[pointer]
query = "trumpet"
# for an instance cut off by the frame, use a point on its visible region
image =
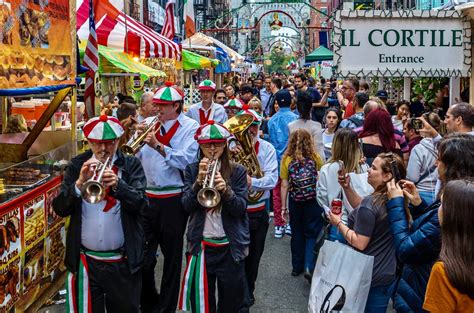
(208, 196)
(136, 143)
(93, 190)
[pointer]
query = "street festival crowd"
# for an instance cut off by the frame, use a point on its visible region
(325, 162)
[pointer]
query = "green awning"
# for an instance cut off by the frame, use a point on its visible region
(194, 61)
(114, 61)
(320, 54)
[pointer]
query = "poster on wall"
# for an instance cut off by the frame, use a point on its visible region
(55, 249)
(10, 232)
(33, 267)
(9, 285)
(402, 43)
(34, 220)
(52, 219)
(36, 45)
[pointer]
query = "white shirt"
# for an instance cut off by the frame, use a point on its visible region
(218, 112)
(316, 131)
(213, 227)
(328, 188)
(101, 231)
(164, 171)
(268, 163)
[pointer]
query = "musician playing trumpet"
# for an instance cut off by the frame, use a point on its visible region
(105, 238)
(169, 148)
(218, 237)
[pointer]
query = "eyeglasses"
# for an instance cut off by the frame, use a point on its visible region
(208, 145)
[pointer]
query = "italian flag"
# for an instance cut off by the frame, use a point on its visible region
(189, 21)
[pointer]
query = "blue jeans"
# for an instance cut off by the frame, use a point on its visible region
(378, 298)
(428, 196)
(335, 235)
(306, 223)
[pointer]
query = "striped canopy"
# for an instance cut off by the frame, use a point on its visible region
(117, 30)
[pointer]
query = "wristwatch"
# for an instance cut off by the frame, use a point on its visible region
(159, 148)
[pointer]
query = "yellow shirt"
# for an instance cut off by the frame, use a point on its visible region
(442, 297)
(285, 162)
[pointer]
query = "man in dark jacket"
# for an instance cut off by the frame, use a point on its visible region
(105, 239)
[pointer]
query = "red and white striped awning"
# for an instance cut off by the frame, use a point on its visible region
(117, 30)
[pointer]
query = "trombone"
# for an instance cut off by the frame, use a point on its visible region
(94, 190)
(136, 143)
(208, 196)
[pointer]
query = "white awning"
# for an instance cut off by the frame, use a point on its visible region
(200, 39)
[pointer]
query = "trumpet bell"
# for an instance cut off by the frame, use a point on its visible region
(128, 150)
(208, 197)
(93, 192)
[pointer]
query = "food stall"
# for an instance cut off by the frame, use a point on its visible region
(37, 77)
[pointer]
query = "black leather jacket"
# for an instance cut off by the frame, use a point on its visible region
(234, 212)
(131, 193)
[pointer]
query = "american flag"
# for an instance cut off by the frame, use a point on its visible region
(91, 60)
(168, 28)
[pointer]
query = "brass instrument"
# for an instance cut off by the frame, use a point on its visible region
(238, 126)
(136, 143)
(208, 196)
(93, 191)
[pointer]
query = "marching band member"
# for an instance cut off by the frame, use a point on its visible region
(207, 110)
(167, 153)
(232, 107)
(256, 211)
(104, 244)
(218, 237)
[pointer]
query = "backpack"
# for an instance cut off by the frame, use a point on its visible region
(302, 177)
(357, 122)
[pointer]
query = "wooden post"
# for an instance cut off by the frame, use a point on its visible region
(454, 90)
(4, 104)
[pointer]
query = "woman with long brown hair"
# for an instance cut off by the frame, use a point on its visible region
(218, 236)
(298, 171)
(368, 228)
(451, 284)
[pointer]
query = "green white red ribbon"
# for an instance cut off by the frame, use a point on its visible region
(78, 289)
(195, 276)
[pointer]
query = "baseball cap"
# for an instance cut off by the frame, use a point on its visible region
(283, 98)
(382, 94)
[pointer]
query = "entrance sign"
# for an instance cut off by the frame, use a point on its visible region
(402, 43)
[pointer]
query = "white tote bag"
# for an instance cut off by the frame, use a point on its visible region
(341, 279)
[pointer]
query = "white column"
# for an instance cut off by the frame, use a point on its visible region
(454, 90)
(407, 88)
(380, 87)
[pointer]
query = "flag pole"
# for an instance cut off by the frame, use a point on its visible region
(126, 32)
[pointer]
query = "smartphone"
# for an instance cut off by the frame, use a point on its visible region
(416, 124)
(395, 172)
(342, 168)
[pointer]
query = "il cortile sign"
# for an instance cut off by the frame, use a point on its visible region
(402, 44)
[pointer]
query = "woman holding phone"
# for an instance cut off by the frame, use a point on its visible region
(368, 229)
(346, 157)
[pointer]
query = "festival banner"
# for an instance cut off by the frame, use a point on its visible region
(36, 46)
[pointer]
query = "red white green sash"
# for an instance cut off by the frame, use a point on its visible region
(256, 206)
(164, 192)
(195, 276)
(78, 289)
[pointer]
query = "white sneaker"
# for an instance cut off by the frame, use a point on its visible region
(288, 230)
(279, 230)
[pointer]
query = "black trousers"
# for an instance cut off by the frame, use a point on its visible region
(114, 287)
(258, 226)
(164, 223)
(230, 278)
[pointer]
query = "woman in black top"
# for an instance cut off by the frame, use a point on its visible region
(378, 135)
(368, 228)
(221, 232)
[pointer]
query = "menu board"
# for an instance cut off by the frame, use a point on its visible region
(32, 246)
(36, 45)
